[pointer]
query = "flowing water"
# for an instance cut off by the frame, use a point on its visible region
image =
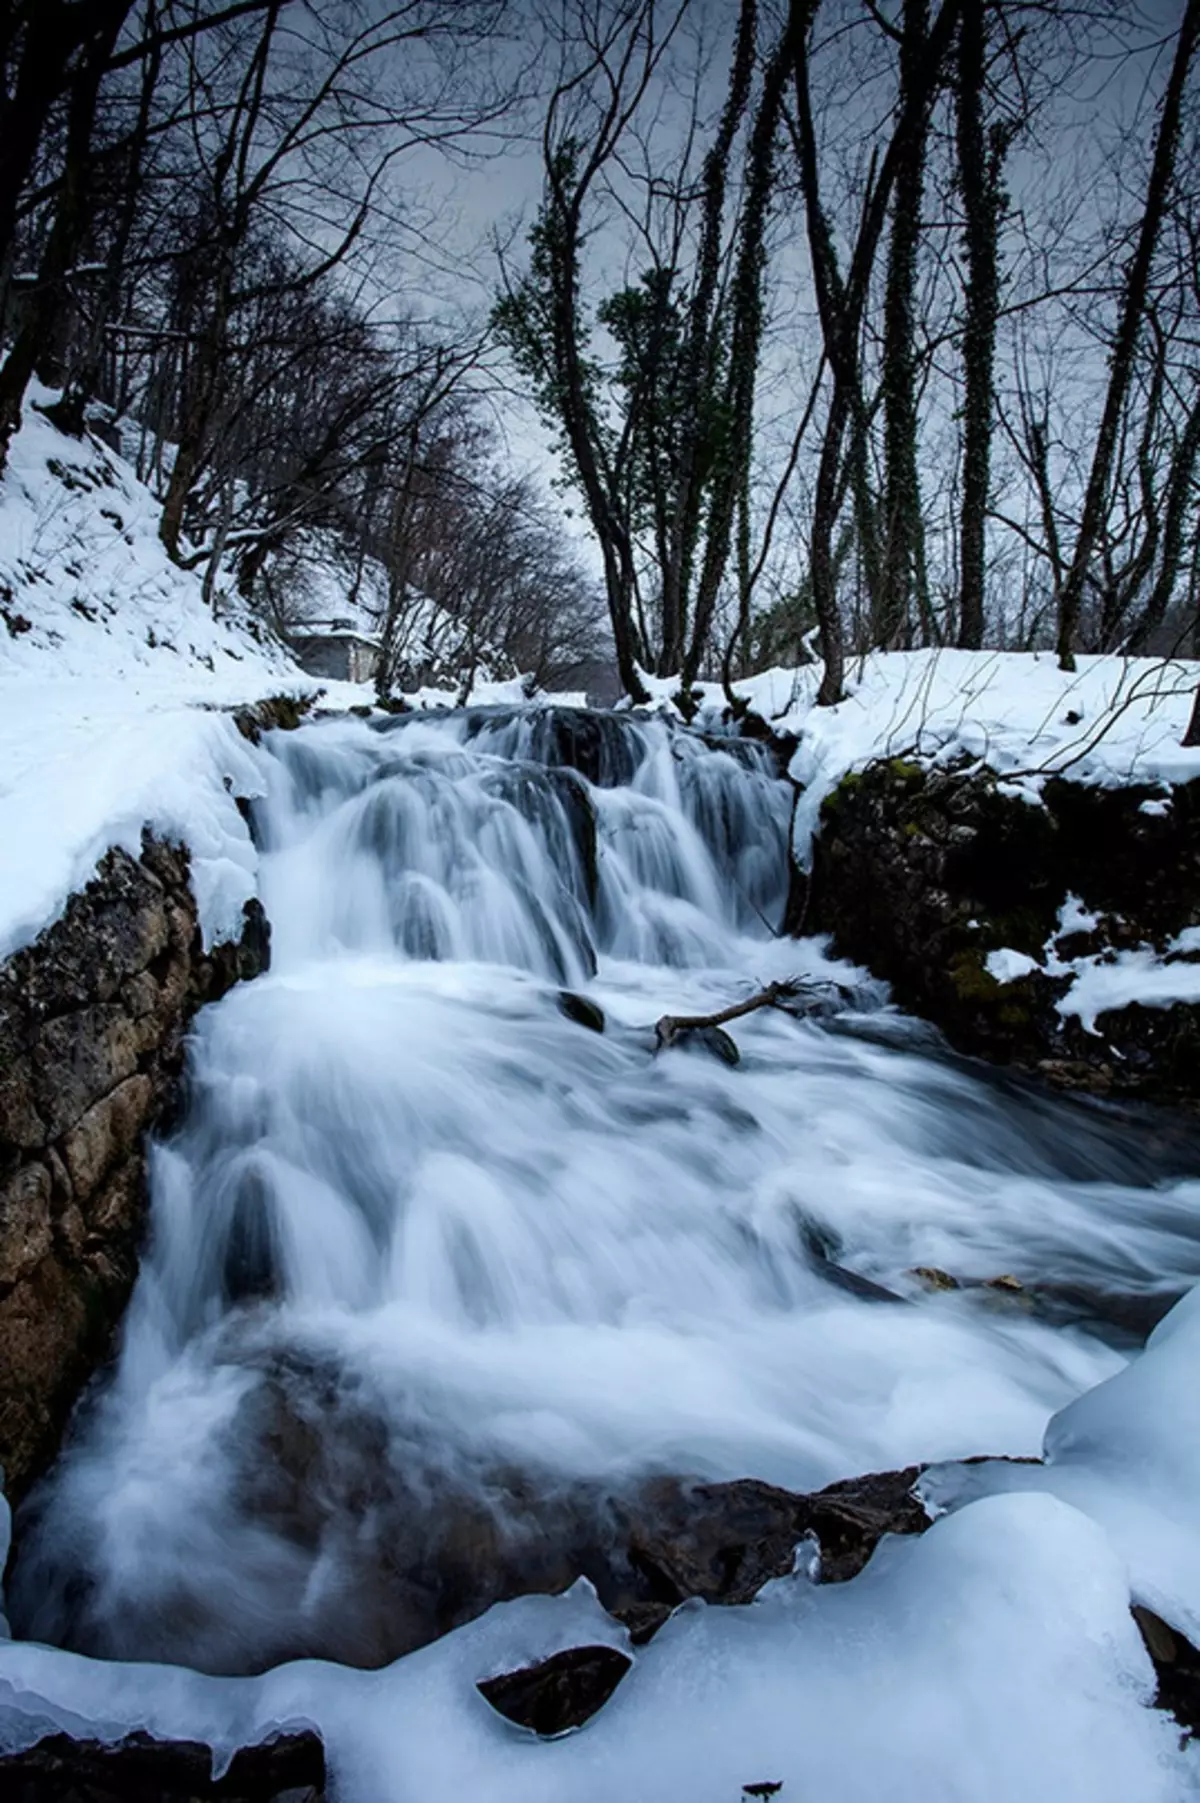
(423, 1235)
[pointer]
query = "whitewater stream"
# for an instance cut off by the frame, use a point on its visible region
(423, 1230)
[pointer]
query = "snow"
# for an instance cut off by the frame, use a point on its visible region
(115, 679)
(1114, 721)
(1127, 1453)
(1128, 976)
(1108, 979)
(995, 1657)
(1008, 966)
(82, 563)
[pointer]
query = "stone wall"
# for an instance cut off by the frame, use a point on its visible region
(919, 873)
(92, 1023)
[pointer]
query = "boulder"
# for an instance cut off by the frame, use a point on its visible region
(92, 1022)
(921, 872)
(412, 1539)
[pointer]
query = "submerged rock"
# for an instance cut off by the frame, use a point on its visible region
(559, 1693)
(373, 1539)
(583, 1012)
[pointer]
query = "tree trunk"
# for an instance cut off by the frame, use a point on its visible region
(40, 327)
(1133, 308)
(979, 177)
(1192, 735)
(903, 554)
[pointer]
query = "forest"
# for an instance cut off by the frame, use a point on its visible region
(832, 326)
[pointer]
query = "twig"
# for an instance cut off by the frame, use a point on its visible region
(668, 1029)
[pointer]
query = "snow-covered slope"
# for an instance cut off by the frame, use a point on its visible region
(87, 589)
(113, 678)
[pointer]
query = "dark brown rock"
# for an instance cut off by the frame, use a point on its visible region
(106, 1133)
(92, 1021)
(559, 1693)
(25, 1233)
(413, 1545)
(723, 1542)
(140, 1769)
(1177, 1667)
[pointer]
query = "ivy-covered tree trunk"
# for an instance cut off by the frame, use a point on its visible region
(979, 181)
(903, 559)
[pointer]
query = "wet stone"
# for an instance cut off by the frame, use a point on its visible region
(559, 1693)
(583, 1012)
(140, 1769)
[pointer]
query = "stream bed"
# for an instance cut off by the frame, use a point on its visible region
(428, 1251)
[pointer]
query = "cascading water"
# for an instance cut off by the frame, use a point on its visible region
(424, 1244)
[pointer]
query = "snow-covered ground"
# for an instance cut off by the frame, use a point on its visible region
(1115, 720)
(115, 678)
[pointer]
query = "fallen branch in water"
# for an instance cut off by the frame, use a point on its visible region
(668, 1029)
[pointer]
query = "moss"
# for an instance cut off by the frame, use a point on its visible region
(905, 771)
(1024, 929)
(911, 830)
(972, 983)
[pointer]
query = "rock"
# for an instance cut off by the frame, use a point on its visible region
(1177, 1666)
(25, 1235)
(283, 713)
(80, 1057)
(410, 1541)
(140, 1769)
(921, 872)
(583, 1012)
(935, 1279)
(723, 1542)
(599, 745)
(561, 1692)
(713, 1040)
(108, 1131)
(92, 1022)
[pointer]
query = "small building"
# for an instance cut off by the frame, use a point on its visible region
(336, 649)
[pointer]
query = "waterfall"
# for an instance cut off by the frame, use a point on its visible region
(424, 1245)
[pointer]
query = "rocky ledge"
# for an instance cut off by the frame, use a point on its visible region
(921, 873)
(92, 1022)
(290, 1768)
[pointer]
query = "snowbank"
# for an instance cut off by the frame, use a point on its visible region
(1115, 721)
(113, 675)
(1127, 1453)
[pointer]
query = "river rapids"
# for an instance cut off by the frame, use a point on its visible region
(422, 1232)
